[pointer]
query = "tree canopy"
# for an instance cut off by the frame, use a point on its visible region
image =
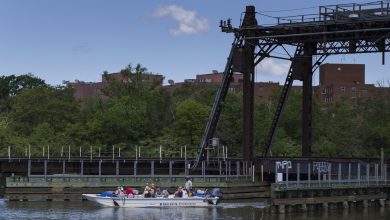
(134, 113)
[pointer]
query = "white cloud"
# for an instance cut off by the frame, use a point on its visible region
(188, 22)
(274, 68)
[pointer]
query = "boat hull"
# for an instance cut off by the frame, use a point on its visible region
(152, 202)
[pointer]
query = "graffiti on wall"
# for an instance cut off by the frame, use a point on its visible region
(283, 164)
(321, 166)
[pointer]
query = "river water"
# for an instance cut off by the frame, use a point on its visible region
(252, 211)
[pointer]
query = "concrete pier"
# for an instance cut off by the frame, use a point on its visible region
(365, 203)
(63, 188)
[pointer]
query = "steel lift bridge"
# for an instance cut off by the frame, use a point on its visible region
(336, 29)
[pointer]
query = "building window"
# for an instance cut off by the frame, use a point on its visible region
(324, 91)
(342, 88)
(354, 89)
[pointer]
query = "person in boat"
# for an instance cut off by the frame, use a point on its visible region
(158, 191)
(129, 192)
(165, 193)
(188, 185)
(118, 191)
(146, 187)
(153, 190)
(147, 193)
(179, 192)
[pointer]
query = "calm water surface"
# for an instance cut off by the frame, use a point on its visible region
(253, 211)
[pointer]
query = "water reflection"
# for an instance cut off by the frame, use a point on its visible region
(250, 211)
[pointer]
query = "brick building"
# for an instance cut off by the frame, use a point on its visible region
(262, 89)
(83, 90)
(338, 81)
(216, 77)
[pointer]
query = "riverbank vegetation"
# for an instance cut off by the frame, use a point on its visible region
(45, 117)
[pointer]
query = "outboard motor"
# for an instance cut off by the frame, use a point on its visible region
(215, 192)
(214, 196)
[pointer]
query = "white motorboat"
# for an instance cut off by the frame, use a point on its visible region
(138, 202)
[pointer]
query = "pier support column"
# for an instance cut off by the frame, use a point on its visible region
(365, 203)
(382, 202)
(303, 207)
(282, 209)
(325, 206)
(345, 205)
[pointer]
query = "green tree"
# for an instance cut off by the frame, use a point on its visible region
(54, 106)
(229, 128)
(375, 114)
(123, 120)
(190, 122)
(136, 81)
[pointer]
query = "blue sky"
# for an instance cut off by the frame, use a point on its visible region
(60, 40)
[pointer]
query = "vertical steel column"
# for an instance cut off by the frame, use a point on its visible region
(358, 173)
(117, 167)
(287, 177)
(100, 167)
(63, 166)
(186, 167)
(220, 167)
(368, 173)
(135, 168)
(226, 170)
(45, 167)
(152, 168)
(339, 175)
(170, 168)
(298, 173)
(309, 173)
(203, 168)
(319, 175)
(29, 168)
(330, 173)
(230, 168)
(248, 83)
(349, 173)
(81, 167)
(238, 168)
(376, 173)
(308, 51)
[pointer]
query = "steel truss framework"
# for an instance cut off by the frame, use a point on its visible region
(337, 29)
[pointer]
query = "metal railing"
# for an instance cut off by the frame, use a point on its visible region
(323, 174)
